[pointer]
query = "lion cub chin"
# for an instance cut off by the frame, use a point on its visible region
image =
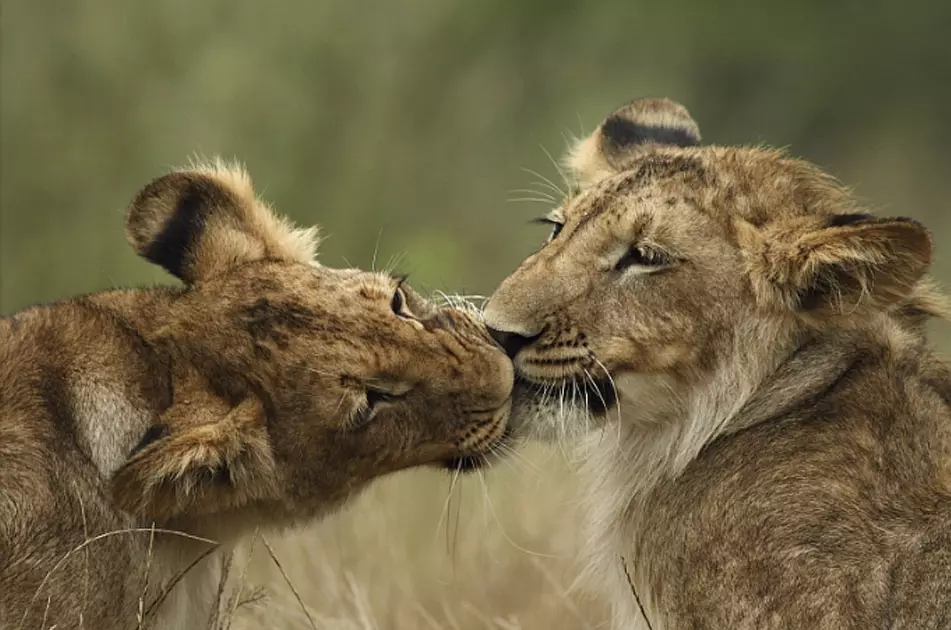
(775, 443)
(142, 429)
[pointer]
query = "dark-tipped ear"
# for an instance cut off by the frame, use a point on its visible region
(629, 130)
(199, 469)
(197, 223)
(837, 264)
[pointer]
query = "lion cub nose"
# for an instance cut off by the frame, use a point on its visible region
(511, 342)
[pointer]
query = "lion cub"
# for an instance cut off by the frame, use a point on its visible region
(775, 448)
(265, 392)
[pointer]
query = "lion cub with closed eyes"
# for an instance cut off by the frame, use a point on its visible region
(264, 393)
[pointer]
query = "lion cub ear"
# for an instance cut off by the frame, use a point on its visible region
(197, 223)
(836, 264)
(205, 467)
(628, 131)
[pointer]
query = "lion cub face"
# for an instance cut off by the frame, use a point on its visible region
(673, 260)
(294, 384)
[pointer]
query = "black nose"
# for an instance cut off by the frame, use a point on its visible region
(511, 342)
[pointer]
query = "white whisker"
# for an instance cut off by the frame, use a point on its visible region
(607, 373)
(376, 249)
(546, 202)
(393, 262)
(557, 166)
(511, 456)
(532, 191)
(502, 529)
(554, 187)
(445, 508)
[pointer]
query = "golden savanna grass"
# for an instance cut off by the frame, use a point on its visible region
(499, 551)
(496, 549)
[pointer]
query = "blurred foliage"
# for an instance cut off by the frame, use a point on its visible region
(403, 127)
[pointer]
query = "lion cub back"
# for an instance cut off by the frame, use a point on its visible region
(77, 388)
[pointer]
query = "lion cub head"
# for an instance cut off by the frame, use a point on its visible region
(679, 274)
(293, 384)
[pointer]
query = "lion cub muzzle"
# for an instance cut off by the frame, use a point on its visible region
(560, 368)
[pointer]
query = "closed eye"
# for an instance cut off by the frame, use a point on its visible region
(375, 399)
(643, 256)
(377, 396)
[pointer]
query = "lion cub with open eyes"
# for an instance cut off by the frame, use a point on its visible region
(265, 392)
(776, 444)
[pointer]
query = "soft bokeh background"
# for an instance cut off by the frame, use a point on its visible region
(405, 129)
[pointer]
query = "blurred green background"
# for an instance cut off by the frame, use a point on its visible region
(404, 127)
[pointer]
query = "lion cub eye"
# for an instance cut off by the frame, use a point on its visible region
(398, 303)
(642, 256)
(556, 226)
(374, 398)
(377, 396)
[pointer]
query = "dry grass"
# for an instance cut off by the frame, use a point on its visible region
(501, 553)
(424, 549)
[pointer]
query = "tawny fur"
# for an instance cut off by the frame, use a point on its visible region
(264, 393)
(778, 454)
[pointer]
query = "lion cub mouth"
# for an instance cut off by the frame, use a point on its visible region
(594, 395)
(477, 461)
(483, 442)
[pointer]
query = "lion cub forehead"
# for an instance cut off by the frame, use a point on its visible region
(756, 184)
(350, 276)
(664, 174)
(367, 283)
